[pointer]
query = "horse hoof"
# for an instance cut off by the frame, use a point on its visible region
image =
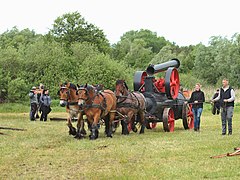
(83, 132)
(79, 137)
(134, 130)
(72, 133)
(92, 138)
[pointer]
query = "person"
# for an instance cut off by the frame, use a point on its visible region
(226, 98)
(197, 98)
(45, 105)
(216, 104)
(39, 93)
(33, 103)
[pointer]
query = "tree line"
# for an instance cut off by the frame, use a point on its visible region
(77, 51)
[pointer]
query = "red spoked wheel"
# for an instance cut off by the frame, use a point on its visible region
(187, 116)
(153, 125)
(168, 120)
(172, 83)
(129, 127)
(138, 81)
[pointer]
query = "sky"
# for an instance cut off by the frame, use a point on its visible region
(185, 22)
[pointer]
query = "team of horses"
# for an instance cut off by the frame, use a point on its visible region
(98, 104)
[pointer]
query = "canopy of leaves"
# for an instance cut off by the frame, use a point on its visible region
(79, 52)
(72, 27)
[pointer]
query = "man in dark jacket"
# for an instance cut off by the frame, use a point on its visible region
(226, 98)
(33, 103)
(45, 105)
(197, 98)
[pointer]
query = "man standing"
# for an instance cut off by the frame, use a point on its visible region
(45, 105)
(216, 104)
(33, 103)
(226, 98)
(197, 98)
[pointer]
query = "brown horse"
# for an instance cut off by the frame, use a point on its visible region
(97, 105)
(69, 98)
(131, 104)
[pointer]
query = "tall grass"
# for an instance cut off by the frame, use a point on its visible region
(46, 151)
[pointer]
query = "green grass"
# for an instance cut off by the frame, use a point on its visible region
(25, 107)
(46, 151)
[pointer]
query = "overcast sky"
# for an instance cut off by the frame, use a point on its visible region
(182, 21)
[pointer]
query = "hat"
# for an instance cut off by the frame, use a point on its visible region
(34, 88)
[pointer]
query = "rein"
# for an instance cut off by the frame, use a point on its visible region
(71, 103)
(92, 105)
(121, 104)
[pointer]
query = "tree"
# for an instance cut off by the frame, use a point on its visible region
(72, 27)
(137, 48)
(101, 69)
(17, 90)
(16, 39)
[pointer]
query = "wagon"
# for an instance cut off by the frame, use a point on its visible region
(164, 101)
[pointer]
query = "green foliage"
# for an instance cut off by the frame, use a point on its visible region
(15, 38)
(137, 48)
(17, 90)
(188, 81)
(219, 60)
(72, 27)
(101, 69)
(77, 51)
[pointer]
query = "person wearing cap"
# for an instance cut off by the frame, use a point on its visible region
(33, 103)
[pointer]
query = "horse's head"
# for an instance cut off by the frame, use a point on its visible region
(121, 88)
(85, 93)
(66, 92)
(63, 94)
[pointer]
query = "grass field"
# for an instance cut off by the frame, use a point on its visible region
(46, 151)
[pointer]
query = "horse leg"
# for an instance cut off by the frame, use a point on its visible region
(142, 121)
(94, 128)
(94, 132)
(80, 127)
(133, 123)
(72, 130)
(124, 124)
(111, 117)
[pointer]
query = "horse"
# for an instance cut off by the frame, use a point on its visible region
(69, 98)
(131, 104)
(97, 105)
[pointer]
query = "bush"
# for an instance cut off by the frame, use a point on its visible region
(17, 90)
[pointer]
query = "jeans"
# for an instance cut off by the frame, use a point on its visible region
(226, 116)
(33, 111)
(197, 114)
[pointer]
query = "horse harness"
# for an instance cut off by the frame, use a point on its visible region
(102, 106)
(122, 104)
(68, 97)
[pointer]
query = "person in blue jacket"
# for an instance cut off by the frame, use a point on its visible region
(45, 105)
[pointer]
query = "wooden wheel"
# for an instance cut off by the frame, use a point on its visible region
(187, 116)
(168, 120)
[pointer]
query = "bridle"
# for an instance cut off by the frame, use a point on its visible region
(68, 93)
(86, 92)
